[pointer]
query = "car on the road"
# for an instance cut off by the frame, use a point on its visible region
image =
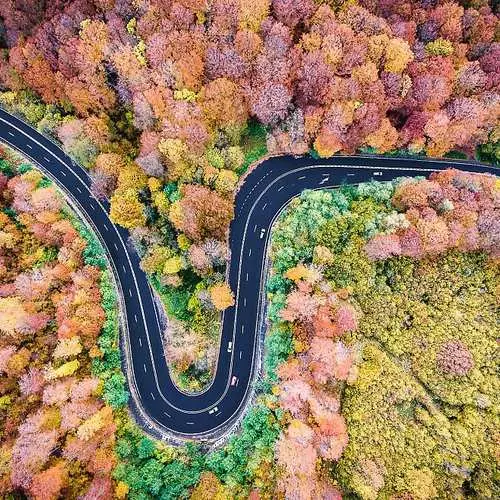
(234, 380)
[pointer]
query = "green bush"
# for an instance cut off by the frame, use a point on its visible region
(254, 145)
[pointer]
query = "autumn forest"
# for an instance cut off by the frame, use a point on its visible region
(379, 375)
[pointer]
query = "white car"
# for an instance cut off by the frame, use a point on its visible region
(213, 410)
(229, 346)
(234, 380)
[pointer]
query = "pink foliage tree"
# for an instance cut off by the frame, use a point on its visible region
(382, 246)
(31, 449)
(271, 102)
(31, 382)
(293, 12)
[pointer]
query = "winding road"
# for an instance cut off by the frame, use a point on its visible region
(263, 194)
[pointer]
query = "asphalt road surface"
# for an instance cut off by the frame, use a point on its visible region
(264, 193)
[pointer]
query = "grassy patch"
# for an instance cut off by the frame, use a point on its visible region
(253, 144)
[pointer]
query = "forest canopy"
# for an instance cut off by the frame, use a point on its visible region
(168, 103)
(379, 378)
(390, 293)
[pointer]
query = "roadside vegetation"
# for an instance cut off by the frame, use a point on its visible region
(59, 359)
(390, 291)
(168, 103)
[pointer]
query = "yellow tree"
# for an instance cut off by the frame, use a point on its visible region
(209, 486)
(132, 176)
(12, 315)
(155, 259)
(226, 181)
(63, 371)
(110, 163)
(96, 422)
(397, 55)
(67, 347)
(222, 296)
(297, 273)
(252, 13)
(126, 209)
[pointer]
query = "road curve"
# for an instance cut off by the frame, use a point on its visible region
(265, 191)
